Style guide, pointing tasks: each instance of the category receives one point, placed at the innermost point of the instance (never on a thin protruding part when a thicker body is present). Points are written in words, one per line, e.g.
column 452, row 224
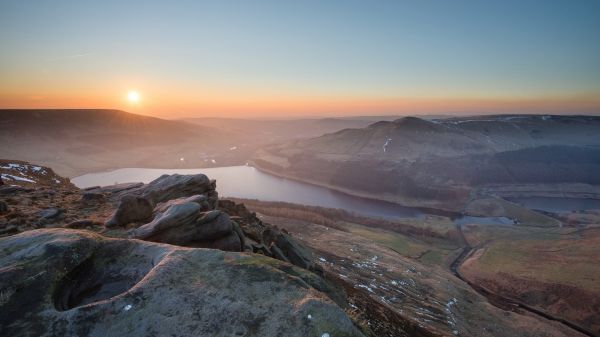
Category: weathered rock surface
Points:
column 92, row 197
column 114, row 189
column 168, row 187
column 87, row 274
column 294, row 251
column 79, row 224
column 269, row 240
column 178, row 215
column 200, row 199
column 50, row 213
column 131, row 208
column 59, row 282
column 183, row 224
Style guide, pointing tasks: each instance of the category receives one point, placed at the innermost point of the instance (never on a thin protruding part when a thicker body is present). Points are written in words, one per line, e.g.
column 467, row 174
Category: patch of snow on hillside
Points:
column 24, row 168
column 12, row 166
column 385, row 145
column 15, row 178
column 38, row 169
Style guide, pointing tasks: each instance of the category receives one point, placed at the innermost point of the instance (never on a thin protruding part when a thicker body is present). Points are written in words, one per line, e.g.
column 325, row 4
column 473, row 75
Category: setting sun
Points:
column 133, row 97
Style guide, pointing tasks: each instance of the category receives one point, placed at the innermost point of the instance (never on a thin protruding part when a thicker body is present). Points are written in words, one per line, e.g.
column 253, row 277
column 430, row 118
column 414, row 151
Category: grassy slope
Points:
column 566, row 256
column 556, row 270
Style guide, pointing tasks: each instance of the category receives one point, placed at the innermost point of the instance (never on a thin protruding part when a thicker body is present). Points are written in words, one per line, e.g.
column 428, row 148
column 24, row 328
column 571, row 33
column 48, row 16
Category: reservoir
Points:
column 249, row 183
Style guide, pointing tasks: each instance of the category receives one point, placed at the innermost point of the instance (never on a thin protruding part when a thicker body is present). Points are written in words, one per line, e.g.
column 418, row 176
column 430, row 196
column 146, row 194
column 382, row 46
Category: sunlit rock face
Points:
column 60, row 282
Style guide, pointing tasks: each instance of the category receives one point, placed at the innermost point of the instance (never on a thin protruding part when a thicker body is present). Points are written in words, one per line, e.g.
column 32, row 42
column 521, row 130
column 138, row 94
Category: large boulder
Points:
column 59, row 282
column 200, row 199
column 168, row 187
column 214, row 224
column 131, row 208
column 172, row 226
column 294, row 251
column 183, row 224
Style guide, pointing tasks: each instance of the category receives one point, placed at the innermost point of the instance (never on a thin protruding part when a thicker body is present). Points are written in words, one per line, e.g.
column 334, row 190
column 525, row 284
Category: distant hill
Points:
column 439, row 162
column 77, row 141
column 269, row 130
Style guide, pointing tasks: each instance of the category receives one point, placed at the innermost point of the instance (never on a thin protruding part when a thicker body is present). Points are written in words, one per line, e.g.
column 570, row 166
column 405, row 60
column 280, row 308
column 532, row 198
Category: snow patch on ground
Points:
column 15, row 178
column 386, row 144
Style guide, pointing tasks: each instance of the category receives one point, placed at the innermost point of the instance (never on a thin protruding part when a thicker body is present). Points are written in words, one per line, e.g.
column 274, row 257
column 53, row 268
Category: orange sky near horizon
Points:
column 178, row 104
column 280, row 59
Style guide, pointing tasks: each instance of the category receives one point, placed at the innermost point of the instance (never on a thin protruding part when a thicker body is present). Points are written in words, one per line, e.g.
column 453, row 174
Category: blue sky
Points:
column 253, row 51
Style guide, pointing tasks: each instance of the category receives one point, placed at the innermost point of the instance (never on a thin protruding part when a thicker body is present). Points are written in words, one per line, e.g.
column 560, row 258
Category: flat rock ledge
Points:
column 66, row 282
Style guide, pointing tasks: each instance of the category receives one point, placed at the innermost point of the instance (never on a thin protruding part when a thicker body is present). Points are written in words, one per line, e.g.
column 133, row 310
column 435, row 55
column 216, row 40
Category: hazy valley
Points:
column 300, row 168
column 96, row 140
column 474, row 226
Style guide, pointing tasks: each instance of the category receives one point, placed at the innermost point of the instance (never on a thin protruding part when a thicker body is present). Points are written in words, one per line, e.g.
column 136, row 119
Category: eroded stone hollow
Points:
column 110, row 271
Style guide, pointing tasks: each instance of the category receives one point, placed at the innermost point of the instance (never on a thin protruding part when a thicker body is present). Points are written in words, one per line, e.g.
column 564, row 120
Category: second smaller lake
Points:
column 557, row 204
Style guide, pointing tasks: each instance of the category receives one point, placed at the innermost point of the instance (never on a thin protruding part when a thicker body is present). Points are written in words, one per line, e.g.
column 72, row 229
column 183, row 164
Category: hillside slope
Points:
column 439, row 163
column 269, row 130
column 77, row 141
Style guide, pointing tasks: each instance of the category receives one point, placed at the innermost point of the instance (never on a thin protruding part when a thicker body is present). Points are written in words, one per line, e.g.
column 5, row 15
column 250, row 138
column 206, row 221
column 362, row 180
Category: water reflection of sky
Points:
column 248, row 182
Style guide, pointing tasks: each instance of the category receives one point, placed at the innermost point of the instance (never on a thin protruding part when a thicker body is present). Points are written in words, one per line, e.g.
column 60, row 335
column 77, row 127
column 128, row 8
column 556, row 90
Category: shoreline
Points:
column 563, row 190
column 400, row 202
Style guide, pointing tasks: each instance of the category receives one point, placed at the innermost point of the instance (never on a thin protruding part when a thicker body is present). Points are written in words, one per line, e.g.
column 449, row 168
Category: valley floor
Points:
column 410, row 278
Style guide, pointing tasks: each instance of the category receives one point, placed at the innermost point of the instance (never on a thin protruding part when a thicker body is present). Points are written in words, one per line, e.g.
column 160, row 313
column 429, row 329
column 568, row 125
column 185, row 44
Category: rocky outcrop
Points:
column 266, row 239
column 169, row 187
column 138, row 202
column 60, row 282
column 22, row 173
column 199, row 199
column 91, row 197
column 70, row 282
column 3, row 207
column 131, row 208
column 183, row 224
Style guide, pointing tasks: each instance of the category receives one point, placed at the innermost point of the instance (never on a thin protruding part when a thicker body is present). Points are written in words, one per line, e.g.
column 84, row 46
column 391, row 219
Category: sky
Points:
column 301, row 58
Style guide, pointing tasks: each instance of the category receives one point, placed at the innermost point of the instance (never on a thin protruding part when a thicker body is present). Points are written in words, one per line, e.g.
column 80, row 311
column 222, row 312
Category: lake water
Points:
column 248, row 182
column 557, row 205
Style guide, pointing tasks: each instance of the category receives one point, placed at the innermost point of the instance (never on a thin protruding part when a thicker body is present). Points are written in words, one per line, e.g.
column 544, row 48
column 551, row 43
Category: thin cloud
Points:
column 69, row 57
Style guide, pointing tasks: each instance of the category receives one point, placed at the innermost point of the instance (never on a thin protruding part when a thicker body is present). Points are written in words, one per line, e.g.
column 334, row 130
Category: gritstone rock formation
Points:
column 61, row 282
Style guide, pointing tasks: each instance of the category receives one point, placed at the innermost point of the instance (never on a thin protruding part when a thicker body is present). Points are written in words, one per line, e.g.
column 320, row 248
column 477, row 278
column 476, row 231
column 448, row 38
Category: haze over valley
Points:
column 327, row 169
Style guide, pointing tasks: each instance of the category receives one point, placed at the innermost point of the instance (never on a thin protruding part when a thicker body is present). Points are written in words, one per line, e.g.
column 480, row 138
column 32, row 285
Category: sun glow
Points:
column 133, row 97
